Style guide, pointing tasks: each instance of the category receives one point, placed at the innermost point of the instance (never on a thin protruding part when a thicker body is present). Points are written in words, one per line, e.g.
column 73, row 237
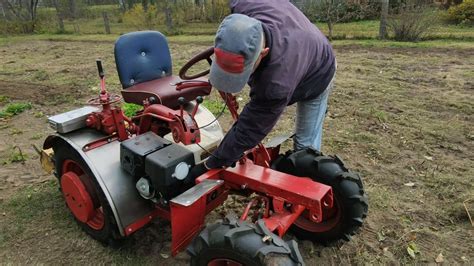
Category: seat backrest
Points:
column 142, row 56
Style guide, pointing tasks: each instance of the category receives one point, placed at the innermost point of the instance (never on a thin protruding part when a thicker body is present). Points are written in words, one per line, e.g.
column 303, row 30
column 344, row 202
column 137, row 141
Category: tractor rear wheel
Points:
column 83, row 196
column 350, row 200
column 234, row 242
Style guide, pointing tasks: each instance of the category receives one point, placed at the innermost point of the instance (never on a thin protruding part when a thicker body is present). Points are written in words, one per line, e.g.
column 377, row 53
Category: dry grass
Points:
column 397, row 115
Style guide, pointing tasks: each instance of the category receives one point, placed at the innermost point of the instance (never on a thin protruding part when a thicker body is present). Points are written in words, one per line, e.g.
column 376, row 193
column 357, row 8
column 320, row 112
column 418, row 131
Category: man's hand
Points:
column 195, row 172
column 198, row 170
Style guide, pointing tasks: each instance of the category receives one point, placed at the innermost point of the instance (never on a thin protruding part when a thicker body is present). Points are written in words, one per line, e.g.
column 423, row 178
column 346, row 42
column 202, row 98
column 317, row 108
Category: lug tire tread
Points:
column 347, row 187
column 242, row 241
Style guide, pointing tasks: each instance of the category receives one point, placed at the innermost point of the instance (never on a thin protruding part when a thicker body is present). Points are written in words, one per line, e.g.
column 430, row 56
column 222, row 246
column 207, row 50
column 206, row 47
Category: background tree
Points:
column 23, row 11
column 383, row 20
column 334, row 11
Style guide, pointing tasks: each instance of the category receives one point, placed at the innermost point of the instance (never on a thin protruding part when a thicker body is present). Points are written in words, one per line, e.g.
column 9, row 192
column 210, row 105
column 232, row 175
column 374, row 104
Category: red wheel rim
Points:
column 83, row 204
column 331, row 218
column 223, row 262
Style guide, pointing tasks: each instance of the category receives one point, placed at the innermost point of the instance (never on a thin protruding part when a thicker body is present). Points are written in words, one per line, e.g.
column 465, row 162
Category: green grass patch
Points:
column 15, row 156
column 29, row 208
column 361, row 33
column 4, row 99
column 215, row 106
column 130, row 109
column 453, row 44
column 13, row 109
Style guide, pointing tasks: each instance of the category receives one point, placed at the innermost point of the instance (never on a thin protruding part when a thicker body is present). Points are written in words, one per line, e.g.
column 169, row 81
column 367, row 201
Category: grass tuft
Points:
column 14, row 109
column 130, row 109
column 215, row 106
column 4, row 99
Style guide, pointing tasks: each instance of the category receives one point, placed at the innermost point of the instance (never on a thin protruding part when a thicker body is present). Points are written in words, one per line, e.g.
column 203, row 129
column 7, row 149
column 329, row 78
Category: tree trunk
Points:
column 123, row 8
column 383, row 20
column 76, row 27
column 106, row 22
column 130, row 4
column 330, row 28
column 60, row 16
column 213, row 11
column 3, row 11
column 145, row 4
column 169, row 18
column 72, row 8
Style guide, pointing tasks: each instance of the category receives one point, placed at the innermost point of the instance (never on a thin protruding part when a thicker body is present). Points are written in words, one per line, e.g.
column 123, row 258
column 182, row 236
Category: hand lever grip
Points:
column 100, row 68
column 199, row 100
column 181, row 102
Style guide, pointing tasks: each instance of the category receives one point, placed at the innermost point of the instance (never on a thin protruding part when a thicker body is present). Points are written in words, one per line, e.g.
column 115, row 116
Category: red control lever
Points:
column 181, row 102
column 199, row 100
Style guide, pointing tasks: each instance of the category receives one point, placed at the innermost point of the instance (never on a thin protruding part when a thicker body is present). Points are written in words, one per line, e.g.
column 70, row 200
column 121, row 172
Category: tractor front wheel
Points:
column 350, row 200
column 83, row 195
column 234, row 242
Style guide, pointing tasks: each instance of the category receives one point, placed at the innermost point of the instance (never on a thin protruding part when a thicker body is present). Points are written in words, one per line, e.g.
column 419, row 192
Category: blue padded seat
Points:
column 144, row 67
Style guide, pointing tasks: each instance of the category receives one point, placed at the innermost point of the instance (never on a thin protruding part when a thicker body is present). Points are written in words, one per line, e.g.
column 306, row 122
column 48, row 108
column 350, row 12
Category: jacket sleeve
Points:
column 255, row 121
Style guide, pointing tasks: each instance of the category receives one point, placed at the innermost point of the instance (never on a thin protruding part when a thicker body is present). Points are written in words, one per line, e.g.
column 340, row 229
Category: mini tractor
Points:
column 118, row 173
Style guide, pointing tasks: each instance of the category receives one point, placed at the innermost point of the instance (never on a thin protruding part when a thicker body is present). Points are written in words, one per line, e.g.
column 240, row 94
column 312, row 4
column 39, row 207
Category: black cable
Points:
column 210, row 153
column 218, row 116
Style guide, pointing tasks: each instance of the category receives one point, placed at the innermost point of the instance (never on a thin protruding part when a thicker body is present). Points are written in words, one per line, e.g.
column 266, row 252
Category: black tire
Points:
column 109, row 234
column 242, row 242
column 350, row 198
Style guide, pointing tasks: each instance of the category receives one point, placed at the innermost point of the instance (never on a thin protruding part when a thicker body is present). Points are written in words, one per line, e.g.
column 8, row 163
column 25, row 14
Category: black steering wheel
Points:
column 204, row 55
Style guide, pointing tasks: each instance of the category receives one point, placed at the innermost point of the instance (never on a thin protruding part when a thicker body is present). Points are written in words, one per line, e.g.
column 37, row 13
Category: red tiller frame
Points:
column 290, row 196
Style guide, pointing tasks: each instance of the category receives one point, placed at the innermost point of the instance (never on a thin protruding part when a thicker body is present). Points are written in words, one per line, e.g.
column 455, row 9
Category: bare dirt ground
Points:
column 401, row 117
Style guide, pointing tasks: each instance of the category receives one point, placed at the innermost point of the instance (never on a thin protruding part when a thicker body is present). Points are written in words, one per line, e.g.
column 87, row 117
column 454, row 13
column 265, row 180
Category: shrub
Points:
column 411, row 24
column 92, row 12
column 141, row 19
column 207, row 11
column 462, row 13
column 343, row 10
column 16, row 26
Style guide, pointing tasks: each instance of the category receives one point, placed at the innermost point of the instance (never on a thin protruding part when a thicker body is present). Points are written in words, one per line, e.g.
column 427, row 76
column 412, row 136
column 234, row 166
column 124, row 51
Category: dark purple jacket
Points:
column 299, row 67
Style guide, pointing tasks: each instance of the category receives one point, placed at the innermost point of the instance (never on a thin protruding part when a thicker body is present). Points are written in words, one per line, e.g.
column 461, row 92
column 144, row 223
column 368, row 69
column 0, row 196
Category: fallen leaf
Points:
column 429, row 158
column 164, row 255
column 380, row 236
column 440, row 258
column 409, row 184
column 412, row 250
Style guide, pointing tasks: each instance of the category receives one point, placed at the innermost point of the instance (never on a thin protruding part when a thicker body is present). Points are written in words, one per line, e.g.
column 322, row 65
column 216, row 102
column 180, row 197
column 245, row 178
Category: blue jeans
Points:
column 309, row 120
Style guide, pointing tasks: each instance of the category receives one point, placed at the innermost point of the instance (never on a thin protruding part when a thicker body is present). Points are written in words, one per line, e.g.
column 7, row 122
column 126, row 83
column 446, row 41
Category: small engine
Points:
column 159, row 166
